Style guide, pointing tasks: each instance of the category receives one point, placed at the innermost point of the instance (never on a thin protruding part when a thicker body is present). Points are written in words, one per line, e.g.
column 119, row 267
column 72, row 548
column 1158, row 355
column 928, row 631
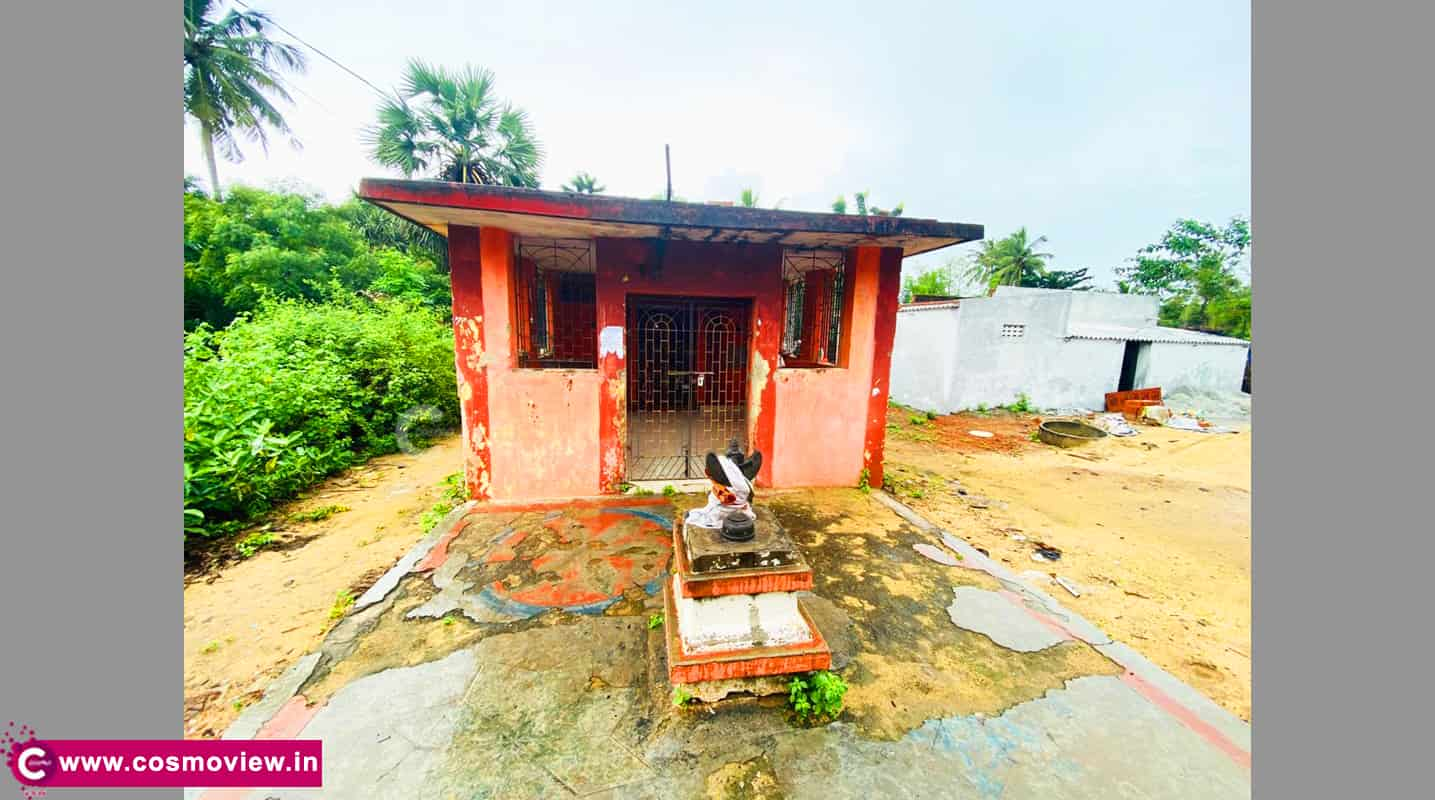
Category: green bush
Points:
column 817, row 696
column 292, row 392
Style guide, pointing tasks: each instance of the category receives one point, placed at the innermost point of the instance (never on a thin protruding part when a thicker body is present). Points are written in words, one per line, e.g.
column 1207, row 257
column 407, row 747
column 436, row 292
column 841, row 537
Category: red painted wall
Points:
column 548, row 433
column 823, row 435
column 541, row 421
column 465, row 266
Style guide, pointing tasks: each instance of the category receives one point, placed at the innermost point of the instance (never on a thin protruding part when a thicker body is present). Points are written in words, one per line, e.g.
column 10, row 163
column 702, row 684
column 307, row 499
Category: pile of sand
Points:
column 1207, row 403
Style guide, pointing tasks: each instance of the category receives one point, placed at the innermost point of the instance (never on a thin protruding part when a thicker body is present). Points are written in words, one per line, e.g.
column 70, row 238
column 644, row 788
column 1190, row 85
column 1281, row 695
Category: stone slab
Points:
column 794, row 577
column 1003, row 621
column 771, row 547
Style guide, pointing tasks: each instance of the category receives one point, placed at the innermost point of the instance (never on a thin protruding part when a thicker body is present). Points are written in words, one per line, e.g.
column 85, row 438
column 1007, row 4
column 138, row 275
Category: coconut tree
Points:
column 583, row 183
column 452, row 126
column 231, row 71
column 1011, row 261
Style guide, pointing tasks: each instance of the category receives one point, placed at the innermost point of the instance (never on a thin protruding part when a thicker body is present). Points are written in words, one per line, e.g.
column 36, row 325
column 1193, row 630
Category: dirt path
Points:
column 245, row 621
column 1155, row 530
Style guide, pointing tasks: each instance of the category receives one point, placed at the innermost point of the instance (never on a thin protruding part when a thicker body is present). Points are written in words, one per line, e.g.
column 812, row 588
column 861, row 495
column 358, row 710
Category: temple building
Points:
column 603, row 339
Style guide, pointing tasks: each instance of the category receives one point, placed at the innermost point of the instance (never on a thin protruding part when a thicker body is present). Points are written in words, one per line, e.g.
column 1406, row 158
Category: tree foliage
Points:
column 1016, row 260
column 1060, row 279
column 256, row 244
column 1192, row 269
column 231, row 70
column 583, row 183
column 293, row 391
column 452, row 126
column 940, row 280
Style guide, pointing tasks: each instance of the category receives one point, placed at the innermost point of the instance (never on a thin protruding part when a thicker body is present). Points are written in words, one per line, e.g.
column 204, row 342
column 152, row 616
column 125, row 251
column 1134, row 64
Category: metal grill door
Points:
column 687, row 384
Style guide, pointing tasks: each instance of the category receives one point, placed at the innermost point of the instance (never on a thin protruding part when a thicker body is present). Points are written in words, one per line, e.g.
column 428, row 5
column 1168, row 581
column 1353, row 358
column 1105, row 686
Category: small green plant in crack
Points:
column 448, row 622
column 670, row 491
column 916, row 420
column 931, row 415
column 317, row 514
column 681, row 696
column 455, row 490
column 864, row 481
column 342, row 602
column 212, row 647
column 254, row 542
column 817, row 696
column 655, row 621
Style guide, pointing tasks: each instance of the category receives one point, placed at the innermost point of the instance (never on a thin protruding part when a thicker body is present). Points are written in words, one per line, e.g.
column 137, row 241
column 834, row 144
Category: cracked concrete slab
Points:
column 936, row 554
column 390, row 580
column 1001, row 620
column 384, row 733
column 275, row 696
column 1095, row 738
column 1237, row 730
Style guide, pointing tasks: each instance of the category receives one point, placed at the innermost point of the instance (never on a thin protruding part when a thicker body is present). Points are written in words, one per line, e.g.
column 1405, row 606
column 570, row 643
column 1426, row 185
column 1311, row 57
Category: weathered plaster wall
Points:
column 924, row 358
column 542, row 422
column 541, row 433
column 953, row 359
column 822, row 437
column 470, row 360
column 993, row 370
column 1202, row 366
column 1109, row 308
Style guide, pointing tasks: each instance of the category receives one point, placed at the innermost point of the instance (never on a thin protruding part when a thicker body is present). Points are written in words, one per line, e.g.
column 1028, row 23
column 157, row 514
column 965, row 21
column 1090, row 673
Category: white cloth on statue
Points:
column 713, row 514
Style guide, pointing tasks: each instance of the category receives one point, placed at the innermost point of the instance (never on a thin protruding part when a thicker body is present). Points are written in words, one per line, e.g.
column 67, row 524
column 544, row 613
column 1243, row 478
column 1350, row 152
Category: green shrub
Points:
column 1022, row 405
column 253, row 543
column 817, row 696
column 294, row 392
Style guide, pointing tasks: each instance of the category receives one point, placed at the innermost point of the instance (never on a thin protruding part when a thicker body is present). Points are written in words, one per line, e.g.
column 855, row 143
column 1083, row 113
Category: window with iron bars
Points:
column 555, row 304
column 812, row 318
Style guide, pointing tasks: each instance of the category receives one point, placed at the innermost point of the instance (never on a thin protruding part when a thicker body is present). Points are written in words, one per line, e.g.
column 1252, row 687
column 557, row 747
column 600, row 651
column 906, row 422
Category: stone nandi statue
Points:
column 729, row 507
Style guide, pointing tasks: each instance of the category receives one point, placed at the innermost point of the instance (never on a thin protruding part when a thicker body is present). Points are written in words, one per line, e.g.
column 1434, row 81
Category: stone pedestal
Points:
column 734, row 622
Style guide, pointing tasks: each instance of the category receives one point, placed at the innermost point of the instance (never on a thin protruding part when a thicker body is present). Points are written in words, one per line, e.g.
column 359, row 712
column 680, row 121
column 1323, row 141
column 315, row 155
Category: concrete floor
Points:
column 964, row 682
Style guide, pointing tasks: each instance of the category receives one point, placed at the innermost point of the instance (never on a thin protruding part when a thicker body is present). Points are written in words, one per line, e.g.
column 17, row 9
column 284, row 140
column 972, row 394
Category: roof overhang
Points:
column 564, row 215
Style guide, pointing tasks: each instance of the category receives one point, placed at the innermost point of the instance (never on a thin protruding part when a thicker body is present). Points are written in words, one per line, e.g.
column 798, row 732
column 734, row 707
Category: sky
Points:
column 1094, row 125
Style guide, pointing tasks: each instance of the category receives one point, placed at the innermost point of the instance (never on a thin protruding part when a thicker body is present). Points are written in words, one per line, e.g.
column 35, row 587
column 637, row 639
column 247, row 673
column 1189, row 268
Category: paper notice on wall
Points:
column 610, row 340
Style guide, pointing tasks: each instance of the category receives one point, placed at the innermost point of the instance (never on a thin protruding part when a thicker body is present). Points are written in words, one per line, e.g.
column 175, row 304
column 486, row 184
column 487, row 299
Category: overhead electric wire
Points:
column 326, row 56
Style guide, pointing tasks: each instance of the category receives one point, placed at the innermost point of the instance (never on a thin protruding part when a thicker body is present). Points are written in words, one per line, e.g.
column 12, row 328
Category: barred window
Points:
column 555, row 304
column 812, row 318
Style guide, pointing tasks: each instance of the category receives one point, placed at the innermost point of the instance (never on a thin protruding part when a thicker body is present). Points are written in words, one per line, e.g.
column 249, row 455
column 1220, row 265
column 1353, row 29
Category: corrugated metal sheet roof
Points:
column 1148, row 333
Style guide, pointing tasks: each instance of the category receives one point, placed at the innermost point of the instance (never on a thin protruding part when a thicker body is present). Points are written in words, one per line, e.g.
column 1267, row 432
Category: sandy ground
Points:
column 245, row 621
column 1155, row 529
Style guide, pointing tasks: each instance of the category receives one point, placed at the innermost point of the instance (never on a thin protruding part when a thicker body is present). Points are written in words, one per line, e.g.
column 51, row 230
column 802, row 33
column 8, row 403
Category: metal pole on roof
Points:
column 668, row 160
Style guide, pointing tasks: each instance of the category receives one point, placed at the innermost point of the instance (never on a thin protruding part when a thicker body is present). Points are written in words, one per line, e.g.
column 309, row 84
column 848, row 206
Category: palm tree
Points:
column 583, row 183
column 1012, row 261
column 231, row 68
column 453, row 126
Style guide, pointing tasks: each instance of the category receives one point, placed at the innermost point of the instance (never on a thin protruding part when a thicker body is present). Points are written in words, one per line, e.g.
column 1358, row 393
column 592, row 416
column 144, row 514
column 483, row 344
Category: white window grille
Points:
column 1013, row 331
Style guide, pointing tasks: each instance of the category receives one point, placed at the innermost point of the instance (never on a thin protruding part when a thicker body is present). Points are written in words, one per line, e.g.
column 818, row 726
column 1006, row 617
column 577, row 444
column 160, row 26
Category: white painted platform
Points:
column 739, row 621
